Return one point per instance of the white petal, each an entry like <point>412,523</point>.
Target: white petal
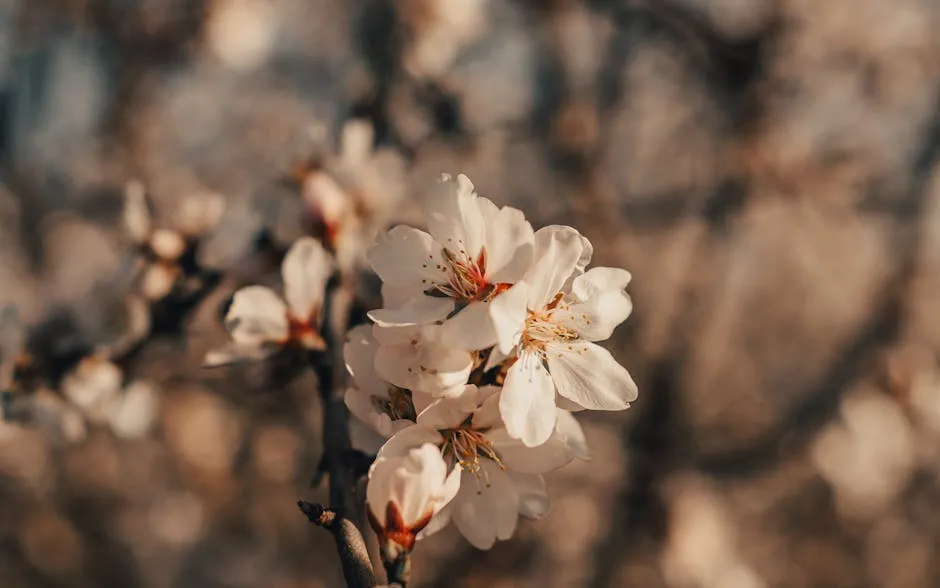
<point>361,406</point>
<point>487,506</point>
<point>603,303</point>
<point>508,313</point>
<point>306,269</point>
<point>359,356</point>
<point>137,221</point>
<point>407,439</point>
<point>429,368</point>
<point>421,490</point>
<point>394,296</point>
<point>422,310</point>
<point>471,328</point>
<point>527,403</point>
<point>587,252</point>
<point>233,353</point>
<point>326,199</point>
<point>257,316</point>
<point>588,375</point>
<point>509,242</point>
<point>454,219</point>
<point>541,459</point>
<point>487,416</point>
<point>438,522</point>
<point>409,259</point>
<point>449,413</point>
<point>533,499</point>
<point>558,250</point>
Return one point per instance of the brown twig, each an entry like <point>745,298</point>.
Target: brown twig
<point>397,563</point>
<point>357,568</point>
<point>331,375</point>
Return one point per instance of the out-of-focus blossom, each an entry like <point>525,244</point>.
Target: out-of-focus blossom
<point>162,265</point>
<point>261,322</point>
<point>406,491</point>
<point>501,476</point>
<point>242,33</point>
<point>565,310</point>
<point>474,251</point>
<point>437,30</point>
<point>93,386</point>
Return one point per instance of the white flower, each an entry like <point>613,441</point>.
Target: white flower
<point>406,491</point>
<point>418,359</point>
<point>94,385</point>
<point>261,322</point>
<point>383,407</point>
<point>565,311</point>
<point>473,251</point>
<point>501,477</point>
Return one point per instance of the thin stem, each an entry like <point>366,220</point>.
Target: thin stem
<point>397,563</point>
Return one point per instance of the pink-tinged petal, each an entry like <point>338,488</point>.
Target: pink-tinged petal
<point>407,439</point>
<point>533,498</point>
<point>510,241</point>
<point>233,353</point>
<point>306,269</point>
<point>257,316</point>
<point>527,403</point>
<point>408,259</point>
<point>449,413</point>
<point>588,375</point>
<point>137,221</point>
<point>359,355</point>
<point>454,218</point>
<point>541,459</point>
<point>487,507</point>
<point>558,250</point>
<point>470,329</point>
<point>418,365</point>
<point>508,314</point>
<point>422,310</point>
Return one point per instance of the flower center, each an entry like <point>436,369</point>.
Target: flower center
<point>467,281</point>
<point>398,405</point>
<point>540,329</point>
<point>466,446</point>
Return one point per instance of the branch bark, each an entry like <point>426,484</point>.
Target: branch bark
<point>357,568</point>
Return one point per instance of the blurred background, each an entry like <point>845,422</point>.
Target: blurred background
<point>766,169</point>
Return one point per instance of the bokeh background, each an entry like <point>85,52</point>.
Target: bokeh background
<point>766,169</point>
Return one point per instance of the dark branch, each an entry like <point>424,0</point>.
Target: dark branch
<point>357,568</point>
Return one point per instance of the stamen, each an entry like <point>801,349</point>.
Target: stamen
<point>467,446</point>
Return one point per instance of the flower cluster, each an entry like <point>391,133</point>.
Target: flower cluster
<point>465,383</point>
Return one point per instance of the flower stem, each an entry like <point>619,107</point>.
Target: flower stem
<point>357,568</point>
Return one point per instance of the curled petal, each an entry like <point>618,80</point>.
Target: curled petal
<point>407,439</point>
<point>533,499</point>
<point>414,483</point>
<point>471,328</point>
<point>359,354</point>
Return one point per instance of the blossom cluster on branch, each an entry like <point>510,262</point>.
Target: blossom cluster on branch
<point>466,382</point>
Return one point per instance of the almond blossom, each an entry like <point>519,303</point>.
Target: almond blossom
<point>261,322</point>
<point>406,491</point>
<point>500,476</point>
<point>565,310</point>
<point>473,251</point>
